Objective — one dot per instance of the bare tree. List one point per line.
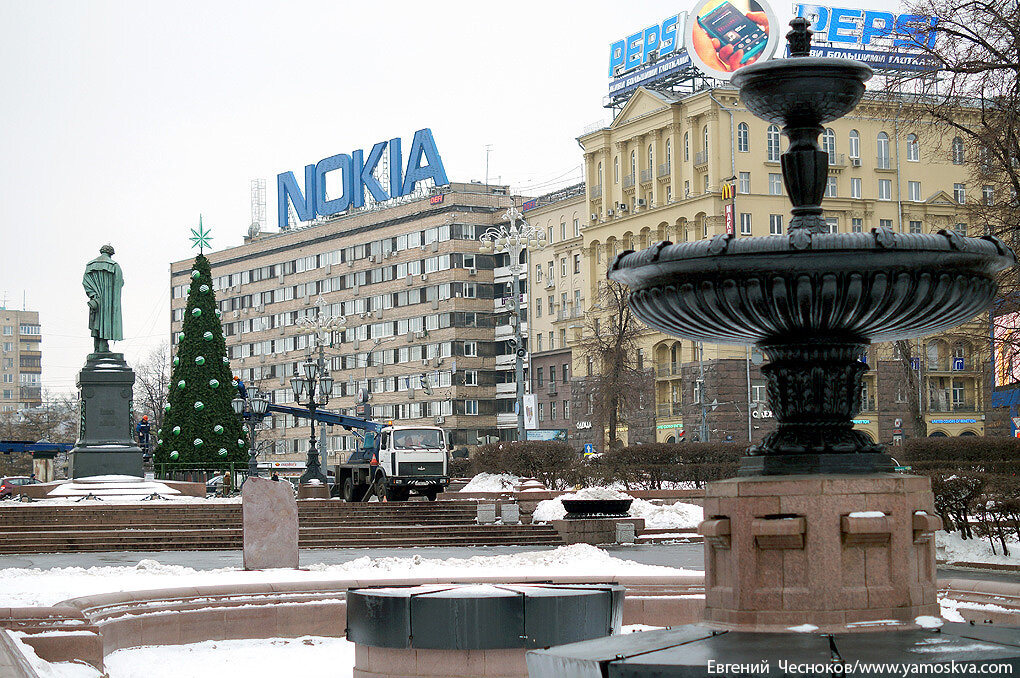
(55, 420)
(610, 342)
(152, 381)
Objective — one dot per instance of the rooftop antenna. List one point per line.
(488, 150)
(258, 207)
(4, 301)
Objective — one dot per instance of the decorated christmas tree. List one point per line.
(199, 427)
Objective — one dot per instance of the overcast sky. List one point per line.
(120, 122)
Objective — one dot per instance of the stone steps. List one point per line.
(333, 524)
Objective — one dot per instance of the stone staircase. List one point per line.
(160, 526)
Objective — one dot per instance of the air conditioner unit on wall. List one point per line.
(641, 202)
(440, 421)
(622, 206)
(609, 212)
(856, 162)
(594, 217)
(472, 271)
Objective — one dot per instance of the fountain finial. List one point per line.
(800, 37)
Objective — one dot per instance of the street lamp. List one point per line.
(514, 239)
(312, 391)
(251, 407)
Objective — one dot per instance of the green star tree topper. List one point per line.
(199, 426)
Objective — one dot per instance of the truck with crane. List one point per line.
(391, 462)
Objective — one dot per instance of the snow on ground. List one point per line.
(315, 655)
(492, 482)
(952, 548)
(671, 516)
(22, 587)
(950, 608)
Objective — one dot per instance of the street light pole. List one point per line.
(316, 381)
(250, 406)
(513, 239)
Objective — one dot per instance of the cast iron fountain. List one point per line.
(816, 534)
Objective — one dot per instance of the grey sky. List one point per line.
(120, 122)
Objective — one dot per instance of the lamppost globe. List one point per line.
(309, 368)
(259, 404)
(237, 404)
(297, 384)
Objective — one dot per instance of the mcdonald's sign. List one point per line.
(729, 192)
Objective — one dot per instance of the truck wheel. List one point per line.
(430, 495)
(348, 491)
(379, 488)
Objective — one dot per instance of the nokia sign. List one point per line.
(357, 175)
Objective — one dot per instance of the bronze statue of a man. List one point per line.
(102, 281)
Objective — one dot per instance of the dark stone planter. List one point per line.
(596, 508)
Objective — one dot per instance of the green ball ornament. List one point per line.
(174, 455)
(198, 442)
(177, 361)
(195, 275)
(226, 360)
(217, 429)
(166, 408)
(214, 383)
(207, 336)
(240, 442)
(177, 430)
(199, 360)
(218, 314)
(199, 405)
(180, 336)
(196, 312)
(159, 441)
(159, 431)
(222, 451)
(204, 289)
(182, 384)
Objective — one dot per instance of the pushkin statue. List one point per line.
(102, 281)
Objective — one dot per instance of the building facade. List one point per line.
(21, 360)
(657, 173)
(424, 315)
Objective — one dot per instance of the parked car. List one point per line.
(9, 485)
(212, 485)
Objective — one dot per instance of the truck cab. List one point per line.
(394, 463)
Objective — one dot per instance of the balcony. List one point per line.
(551, 388)
(939, 405)
(646, 176)
(663, 410)
(883, 162)
(837, 160)
(664, 170)
(596, 191)
(664, 370)
(569, 313)
(951, 365)
(701, 158)
(508, 388)
(506, 419)
(868, 405)
(628, 181)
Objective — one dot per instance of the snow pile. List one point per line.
(492, 482)
(24, 587)
(671, 516)
(952, 548)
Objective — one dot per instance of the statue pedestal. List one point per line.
(105, 443)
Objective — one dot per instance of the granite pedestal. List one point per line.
(270, 524)
(105, 437)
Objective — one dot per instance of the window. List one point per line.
(470, 407)
(960, 228)
(633, 163)
(540, 374)
(960, 193)
(541, 411)
(775, 184)
(552, 374)
(958, 392)
(551, 276)
(538, 307)
(914, 191)
(600, 174)
(471, 377)
(538, 273)
(772, 143)
(563, 267)
(9, 346)
(552, 345)
(9, 378)
(669, 154)
(706, 182)
(775, 224)
(687, 147)
(549, 237)
(914, 227)
(758, 391)
(885, 223)
(913, 152)
(885, 189)
(744, 185)
(471, 349)
(565, 373)
(855, 187)
(563, 230)
(830, 187)
(577, 227)
(8, 330)
(855, 144)
(687, 189)
(577, 263)
(745, 223)
(704, 138)
(566, 409)
(616, 170)
(742, 138)
(884, 161)
(958, 155)
(552, 409)
(829, 144)
(832, 223)
(988, 195)
(650, 159)
(539, 337)
(857, 225)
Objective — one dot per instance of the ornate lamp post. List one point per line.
(251, 407)
(316, 382)
(514, 237)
